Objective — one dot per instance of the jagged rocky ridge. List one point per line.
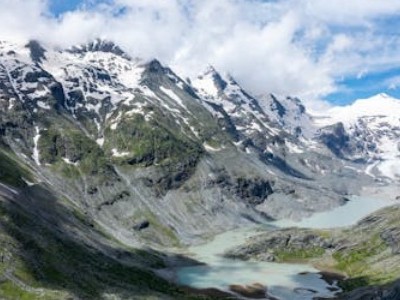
(151, 159)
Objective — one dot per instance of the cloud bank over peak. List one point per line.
(297, 47)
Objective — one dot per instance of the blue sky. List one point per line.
(337, 50)
(58, 7)
(371, 84)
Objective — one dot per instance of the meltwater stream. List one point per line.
(283, 280)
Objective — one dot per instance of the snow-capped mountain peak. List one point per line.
(209, 83)
(290, 113)
(378, 105)
(370, 130)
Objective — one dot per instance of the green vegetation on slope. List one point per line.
(294, 255)
(56, 144)
(150, 143)
(12, 172)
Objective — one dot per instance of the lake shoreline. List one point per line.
(210, 253)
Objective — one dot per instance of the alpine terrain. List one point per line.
(112, 166)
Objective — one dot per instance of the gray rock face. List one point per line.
(266, 247)
(99, 45)
(337, 140)
(37, 51)
(387, 292)
(253, 191)
(142, 225)
(392, 237)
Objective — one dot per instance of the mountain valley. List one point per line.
(112, 166)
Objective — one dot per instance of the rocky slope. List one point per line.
(130, 155)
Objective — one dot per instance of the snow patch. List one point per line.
(293, 148)
(147, 92)
(256, 126)
(131, 77)
(11, 103)
(181, 85)
(69, 162)
(39, 93)
(43, 105)
(28, 182)
(172, 95)
(36, 138)
(100, 142)
(136, 110)
(211, 148)
(115, 122)
(390, 169)
(115, 153)
(205, 85)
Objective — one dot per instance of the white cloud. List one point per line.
(297, 47)
(353, 12)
